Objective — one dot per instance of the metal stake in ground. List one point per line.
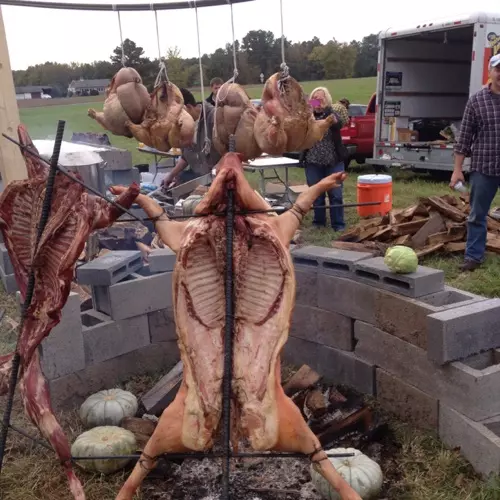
(228, 338)
(44, 217)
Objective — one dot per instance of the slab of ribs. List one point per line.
(74, 215)
(264, 287)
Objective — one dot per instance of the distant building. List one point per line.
(88, 87)
(33, 92)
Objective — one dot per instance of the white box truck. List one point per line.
(425, 76)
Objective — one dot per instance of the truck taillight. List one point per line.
(380, 152)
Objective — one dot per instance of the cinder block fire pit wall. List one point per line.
(428, 352)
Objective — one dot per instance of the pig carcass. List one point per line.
(126, 100)
(166, 122)
(264, 286)
(235, 115)
(74, 215)
(286, 122)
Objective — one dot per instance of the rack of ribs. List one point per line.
(264, 295)
(74, 215)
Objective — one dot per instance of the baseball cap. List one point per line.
(495, 61)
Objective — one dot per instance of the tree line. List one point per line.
(259, 52)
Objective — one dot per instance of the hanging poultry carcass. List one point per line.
(166, 122)
(286, 122)
(264, 285)
(126, 100)
(74, 215)
(235, 115)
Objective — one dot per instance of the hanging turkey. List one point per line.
(235, 115)
(166, 123)
(126, 100)
(286, 122)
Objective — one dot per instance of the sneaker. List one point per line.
(469, 265)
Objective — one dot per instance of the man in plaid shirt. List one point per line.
(479, 139)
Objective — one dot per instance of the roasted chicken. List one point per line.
(286, 122)
(166, 122)
(126, 100)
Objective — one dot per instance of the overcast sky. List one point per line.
(40, 35)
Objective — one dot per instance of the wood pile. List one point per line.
(434, 224)
(330, 414)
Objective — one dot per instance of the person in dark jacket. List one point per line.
(325, 158)
(215, 85)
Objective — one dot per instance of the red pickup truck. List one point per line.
(359, 133)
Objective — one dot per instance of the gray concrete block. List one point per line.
(466, 386)
(114, 177)
(323, 327)
(407, 402)
(162, 260)
(62, 352)
(327, 260)
(347, 297)
(423, 281)
(460, 332)
(406, 317)
(478, 443)
(9, 282)
(138, 294)
(306, 292)
(5, 262)
(110, 268)
(162, 325)
(71, 390)
(105, 339)
(337, 366)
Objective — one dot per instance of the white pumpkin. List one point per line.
(361, 472)
(107, 441)
(108, 407)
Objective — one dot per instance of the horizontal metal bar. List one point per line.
(180, 456)
(121, 7)
(74, 179)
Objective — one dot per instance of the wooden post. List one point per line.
(12, 165)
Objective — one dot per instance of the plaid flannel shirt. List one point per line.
(479, 136)
(342, 112)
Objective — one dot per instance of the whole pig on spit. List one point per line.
(264, 292)
(74, 215)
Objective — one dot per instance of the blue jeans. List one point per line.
(186, 176)
(314, 173)
(483, 190)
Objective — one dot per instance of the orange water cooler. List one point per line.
(372, 188)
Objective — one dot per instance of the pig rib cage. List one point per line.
(227, 455)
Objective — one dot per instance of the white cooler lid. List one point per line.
(374, 179)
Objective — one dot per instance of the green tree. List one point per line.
(366, 62)
(134, 55)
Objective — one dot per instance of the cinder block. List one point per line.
(110, 268)
(423, 281)
(71, 390)
(407, 402)
(9, 282)
(114, 177)
(162, 325)
(466, 386)
(323, 327)
(337, 366)
(327, 260)
(478, 443)
(162, 260)
(5, 262)
(306, 288)
(347, 297)
(105, 339)
(460, 332)
(140, 293)
(406, 318)
(62, 353)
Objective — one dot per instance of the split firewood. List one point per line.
(316, 403)
(304, 378)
